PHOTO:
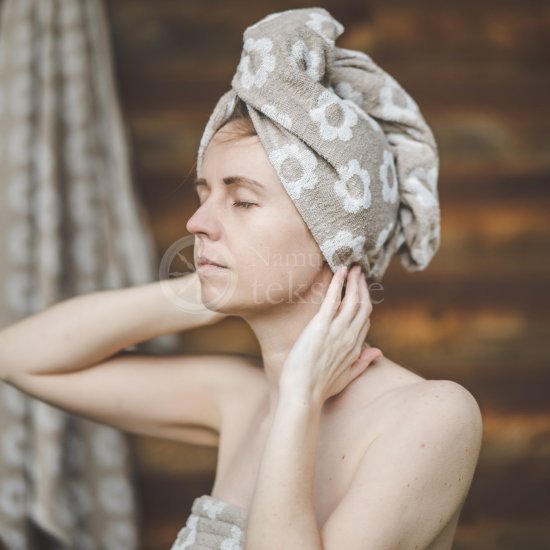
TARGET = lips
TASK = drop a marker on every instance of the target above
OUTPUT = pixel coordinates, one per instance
(204, 260)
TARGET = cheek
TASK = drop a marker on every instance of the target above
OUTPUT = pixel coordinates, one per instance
(283, 272)
(283, 240)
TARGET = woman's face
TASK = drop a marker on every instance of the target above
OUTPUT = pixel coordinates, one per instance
(270, 254)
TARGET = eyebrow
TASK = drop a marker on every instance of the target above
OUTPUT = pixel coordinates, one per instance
(229, 180)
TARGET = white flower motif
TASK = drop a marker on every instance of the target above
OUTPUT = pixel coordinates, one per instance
(391, 110)
(261, 48)
(48, 418)
(389, 191)
(428, 177)
(17, 189)
(234, 541)
(82, 498)
(20, 143)
(108, 448)
(316, 22)
(213, 508)
(343, 239)
(383, 235)
(365, 116)
(18, 287)
(353, 203)
(272, 112)
(119, 535)
(301, 55)
(20, 98)
(12, 497)
(187, 534)
(307, 163)
(13, 445)
(13, 399)
(346, 91)
(422, 184)
(18, 242)
(328, 100)
(115, 494)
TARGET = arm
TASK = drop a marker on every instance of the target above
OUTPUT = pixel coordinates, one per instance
(282, 513)
(413, 479)
(82, 331)
(48, 356)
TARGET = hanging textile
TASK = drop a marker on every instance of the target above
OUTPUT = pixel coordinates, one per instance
(70, 223)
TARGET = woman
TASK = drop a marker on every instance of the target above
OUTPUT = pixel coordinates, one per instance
(328, 444)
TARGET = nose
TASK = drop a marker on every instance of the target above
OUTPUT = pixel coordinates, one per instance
(205, 220)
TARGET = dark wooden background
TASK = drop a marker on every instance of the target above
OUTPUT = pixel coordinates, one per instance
(479, 314)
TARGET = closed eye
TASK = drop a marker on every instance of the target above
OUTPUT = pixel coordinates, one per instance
(243, 204)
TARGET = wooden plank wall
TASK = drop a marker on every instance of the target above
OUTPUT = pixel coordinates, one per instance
(479, 313)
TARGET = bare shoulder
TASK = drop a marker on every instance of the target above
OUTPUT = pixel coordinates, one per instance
(447, 412)
(417, 459)
(409, 392)
(415, 410)
(397, 399)
(392, 381)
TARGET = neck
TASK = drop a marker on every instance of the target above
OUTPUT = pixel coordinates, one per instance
(277, 330)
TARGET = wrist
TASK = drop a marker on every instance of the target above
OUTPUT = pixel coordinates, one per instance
(300, 398)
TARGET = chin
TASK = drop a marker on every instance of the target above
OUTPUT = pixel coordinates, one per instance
(216, 296)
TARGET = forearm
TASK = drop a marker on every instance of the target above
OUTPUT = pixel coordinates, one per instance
(83, 330)
(282, 513)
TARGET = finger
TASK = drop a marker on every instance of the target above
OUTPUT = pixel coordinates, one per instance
(350, 303)
(368, 301)
(360, 323)
(364, 308)
(333, 296)
(360, 341)
(365, 296)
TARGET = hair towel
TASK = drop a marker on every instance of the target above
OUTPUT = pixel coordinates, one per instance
(348, 143)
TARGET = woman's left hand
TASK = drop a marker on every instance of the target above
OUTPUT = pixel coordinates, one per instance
(330, 352)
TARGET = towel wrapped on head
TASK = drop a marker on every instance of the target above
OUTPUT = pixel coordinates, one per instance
(349, 145)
